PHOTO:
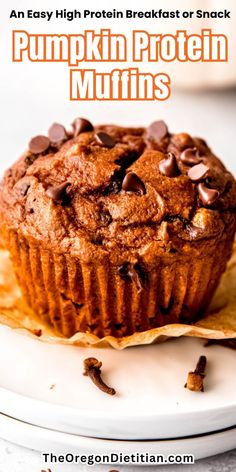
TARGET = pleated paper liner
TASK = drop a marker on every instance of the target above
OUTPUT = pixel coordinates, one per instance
(218, 323)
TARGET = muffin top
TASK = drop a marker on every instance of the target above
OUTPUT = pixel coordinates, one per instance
(120, 191)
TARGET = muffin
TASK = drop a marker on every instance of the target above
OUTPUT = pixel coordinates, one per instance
(116, 230)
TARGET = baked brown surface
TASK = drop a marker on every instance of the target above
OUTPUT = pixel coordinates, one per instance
(118, 232)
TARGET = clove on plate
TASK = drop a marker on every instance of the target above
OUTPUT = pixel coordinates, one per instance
(195, 378)
(92, 368)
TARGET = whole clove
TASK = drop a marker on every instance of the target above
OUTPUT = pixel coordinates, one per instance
(92, 368)
(195, 379)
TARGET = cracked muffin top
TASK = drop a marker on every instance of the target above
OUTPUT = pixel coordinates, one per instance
(123, 191)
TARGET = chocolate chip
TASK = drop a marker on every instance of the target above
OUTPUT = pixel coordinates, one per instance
(57, 133)
(24, 188)
(169, 166)
(132, 183)
(39, 144)
(198, 172)
(81, 125)
(207, 195)
(105, 139)
(123, 270)
(157, 130)
(58, 192)
(134, 273)
(140, 276)
(190, 156)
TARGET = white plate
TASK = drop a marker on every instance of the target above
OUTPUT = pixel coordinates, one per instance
(151, 401)
(45, 440)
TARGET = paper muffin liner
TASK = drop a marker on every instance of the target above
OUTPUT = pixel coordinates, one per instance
(52, 281)
(75, 296)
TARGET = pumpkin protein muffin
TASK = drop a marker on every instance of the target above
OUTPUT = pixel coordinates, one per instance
(116, 230)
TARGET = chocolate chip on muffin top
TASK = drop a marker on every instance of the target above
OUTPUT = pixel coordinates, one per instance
(119, 186)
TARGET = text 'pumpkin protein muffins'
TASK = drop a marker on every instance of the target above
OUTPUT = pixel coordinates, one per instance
(117, 230)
